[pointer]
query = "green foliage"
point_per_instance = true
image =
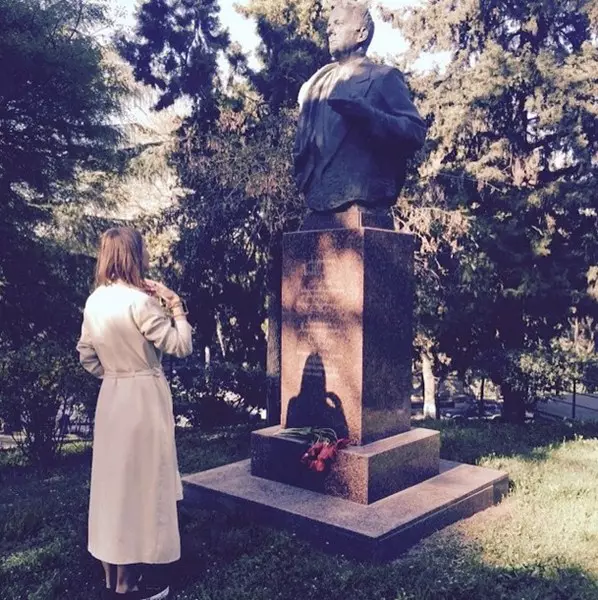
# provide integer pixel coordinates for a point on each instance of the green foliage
(42, 289)
(175, 49)
(504, 203)
(37, 382)
(229, 227)
(55, 103)
(513, 132)
(293, 47)
(218, 394)
(199, 451)
(235, 164)
(56, 92)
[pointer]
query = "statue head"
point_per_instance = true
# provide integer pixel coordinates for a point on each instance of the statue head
(350, 28)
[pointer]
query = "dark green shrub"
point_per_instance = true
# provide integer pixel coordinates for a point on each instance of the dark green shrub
(220, 394)
(38, 382)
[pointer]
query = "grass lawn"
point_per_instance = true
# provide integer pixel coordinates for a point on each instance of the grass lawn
(540, 543)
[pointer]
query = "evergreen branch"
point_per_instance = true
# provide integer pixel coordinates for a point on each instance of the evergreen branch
(549, 139)
(430, 178)
(548, 176)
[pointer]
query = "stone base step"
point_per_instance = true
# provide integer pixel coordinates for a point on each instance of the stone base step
(377, 531)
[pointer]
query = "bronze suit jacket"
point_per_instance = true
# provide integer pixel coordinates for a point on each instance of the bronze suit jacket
(343, 161)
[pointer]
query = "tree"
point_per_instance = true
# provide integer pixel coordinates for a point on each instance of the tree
(175, 50)
(37, 381)
(55, 103)
(512, 144)
(293, 47)
(141, 181)
(441, 233)
(235, 165)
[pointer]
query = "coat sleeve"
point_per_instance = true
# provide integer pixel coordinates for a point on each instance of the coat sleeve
(87, 353)
(157, 328)
(396, 120)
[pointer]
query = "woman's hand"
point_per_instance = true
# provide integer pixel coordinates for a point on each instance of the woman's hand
(159, 289)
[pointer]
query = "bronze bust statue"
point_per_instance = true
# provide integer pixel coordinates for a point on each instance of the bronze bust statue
(357, 125)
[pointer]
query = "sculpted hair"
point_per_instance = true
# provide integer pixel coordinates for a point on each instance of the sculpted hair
(120, 257)
(359, 9)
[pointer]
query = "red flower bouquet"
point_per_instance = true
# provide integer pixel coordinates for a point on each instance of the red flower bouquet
(323, 449)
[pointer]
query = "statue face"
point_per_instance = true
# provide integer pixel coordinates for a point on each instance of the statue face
(346, 32)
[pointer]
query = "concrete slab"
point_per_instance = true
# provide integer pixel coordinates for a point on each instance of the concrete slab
(377, 531)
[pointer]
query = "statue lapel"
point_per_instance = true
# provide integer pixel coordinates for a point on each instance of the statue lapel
(357, 84)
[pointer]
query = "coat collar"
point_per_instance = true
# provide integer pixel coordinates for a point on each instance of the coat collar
(360, 68)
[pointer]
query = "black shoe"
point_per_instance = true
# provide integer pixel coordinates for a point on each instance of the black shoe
(151, 592)
(107, 594)
(145, 591)
(142, 594)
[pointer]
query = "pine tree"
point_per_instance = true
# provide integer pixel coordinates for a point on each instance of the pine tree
(175, 48)
(293, 47)
(235, 162)
(56, 101)
(512, 146)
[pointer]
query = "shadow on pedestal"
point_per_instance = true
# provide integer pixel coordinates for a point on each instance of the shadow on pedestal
(315, 406)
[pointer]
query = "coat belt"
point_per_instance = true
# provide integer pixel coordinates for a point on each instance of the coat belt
(153, 372)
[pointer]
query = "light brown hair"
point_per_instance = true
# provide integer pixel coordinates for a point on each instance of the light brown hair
(120, 257)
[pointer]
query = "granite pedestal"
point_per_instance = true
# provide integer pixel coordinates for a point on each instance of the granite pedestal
(378, 531)
(347, 311)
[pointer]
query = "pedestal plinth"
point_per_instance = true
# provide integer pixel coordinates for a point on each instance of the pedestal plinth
(362, 474)
(347, 306)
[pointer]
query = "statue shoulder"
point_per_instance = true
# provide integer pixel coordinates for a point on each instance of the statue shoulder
(303, 92)
(389, 78)
(306, 87)
(387, 72)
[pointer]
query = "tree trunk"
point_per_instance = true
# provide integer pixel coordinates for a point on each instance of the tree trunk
(220, 336)
(429, 385)
(206, 365)
(514, 404)
(512, 335)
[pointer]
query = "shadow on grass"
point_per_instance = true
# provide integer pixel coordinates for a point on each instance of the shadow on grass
(199, 451)
(14, 468)
(467, 442)
(225, 559)
(44, 557)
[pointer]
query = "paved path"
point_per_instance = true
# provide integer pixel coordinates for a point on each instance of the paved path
(586, 407)
(6, 441)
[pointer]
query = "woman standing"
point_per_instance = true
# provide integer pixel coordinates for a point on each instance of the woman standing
(135, 483)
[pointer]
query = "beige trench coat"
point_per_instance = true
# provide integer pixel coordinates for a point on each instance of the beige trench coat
(135, 482)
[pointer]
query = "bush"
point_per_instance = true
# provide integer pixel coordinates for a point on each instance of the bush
(221, 394)
(38, 381)
(590, 376)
